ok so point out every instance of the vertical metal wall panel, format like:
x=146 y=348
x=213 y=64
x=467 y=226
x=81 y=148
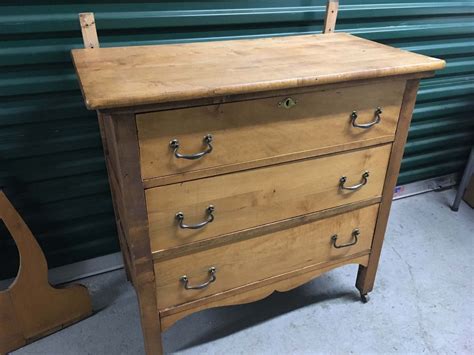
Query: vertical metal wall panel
x=51 y=157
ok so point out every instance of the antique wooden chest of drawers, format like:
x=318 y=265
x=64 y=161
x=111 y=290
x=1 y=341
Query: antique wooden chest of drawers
x=238 y=168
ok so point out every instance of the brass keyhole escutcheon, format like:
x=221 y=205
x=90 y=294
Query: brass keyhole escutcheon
x=287 y=103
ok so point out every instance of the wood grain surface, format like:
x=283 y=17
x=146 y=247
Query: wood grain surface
x=131 y=76
x=366 y=275
x=263 y=132
x=256 y=259
x=332 y=7
x=257 y=290
x=255 y=197
x=122 y=153
x=260 y=230
x=30 y=308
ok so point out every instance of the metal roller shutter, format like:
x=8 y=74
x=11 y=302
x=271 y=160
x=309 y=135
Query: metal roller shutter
x=51 y=157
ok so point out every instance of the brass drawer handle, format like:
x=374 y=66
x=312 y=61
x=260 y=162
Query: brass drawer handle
x=174 y=144
x=355 y=236
x=210 y=218
x=212 y=277
x=376 y=120
x=343 y=179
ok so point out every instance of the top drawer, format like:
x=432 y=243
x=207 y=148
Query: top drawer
x=260 y=132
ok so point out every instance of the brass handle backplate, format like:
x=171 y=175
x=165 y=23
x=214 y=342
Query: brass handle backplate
x=212 y=277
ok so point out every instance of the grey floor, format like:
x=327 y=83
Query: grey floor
x=422 y=303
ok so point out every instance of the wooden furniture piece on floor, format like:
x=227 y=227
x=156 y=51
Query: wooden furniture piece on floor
x=30 y=308
x=238 y=168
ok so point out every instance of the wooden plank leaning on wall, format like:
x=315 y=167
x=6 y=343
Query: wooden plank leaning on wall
x=332 y=7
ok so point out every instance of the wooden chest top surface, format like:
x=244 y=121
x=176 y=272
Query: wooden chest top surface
x=133 y=76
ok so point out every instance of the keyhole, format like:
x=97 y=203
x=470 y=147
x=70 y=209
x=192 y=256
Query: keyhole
x=287 y=103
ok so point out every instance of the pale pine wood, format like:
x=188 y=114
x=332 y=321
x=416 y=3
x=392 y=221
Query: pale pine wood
x=260 y=230
x=262 y=132
x=122 y=149
x=255 y=291
x=366 y=276
x=255 y=205
x=331 y=16
x=30 y=308
x=255 y=197
x=217 y=100
x=131 y=76
x=255 y=259
x=88 y=29
x=201 y=303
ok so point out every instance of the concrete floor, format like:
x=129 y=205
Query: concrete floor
x=422 y=303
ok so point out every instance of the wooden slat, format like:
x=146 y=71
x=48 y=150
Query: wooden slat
x=131 y=76
x=331 y=16
x=88 y=29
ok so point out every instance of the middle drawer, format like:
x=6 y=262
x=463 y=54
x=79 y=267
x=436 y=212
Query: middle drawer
x=179 y=214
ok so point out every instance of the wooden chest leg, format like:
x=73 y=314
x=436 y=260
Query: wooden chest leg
x=366 y=275
x=150 y=319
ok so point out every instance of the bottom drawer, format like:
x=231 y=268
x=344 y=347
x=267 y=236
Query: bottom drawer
x=261 y=257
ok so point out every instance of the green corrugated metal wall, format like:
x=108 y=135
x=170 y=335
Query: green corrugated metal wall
x=51 y=157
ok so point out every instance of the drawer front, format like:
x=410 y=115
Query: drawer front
x=255 y=197
x=261 y=132
x=270 y=255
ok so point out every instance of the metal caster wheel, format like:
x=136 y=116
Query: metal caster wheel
x=364 y=298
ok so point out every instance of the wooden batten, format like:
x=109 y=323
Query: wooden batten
x=88 y=29
x=332 y=7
